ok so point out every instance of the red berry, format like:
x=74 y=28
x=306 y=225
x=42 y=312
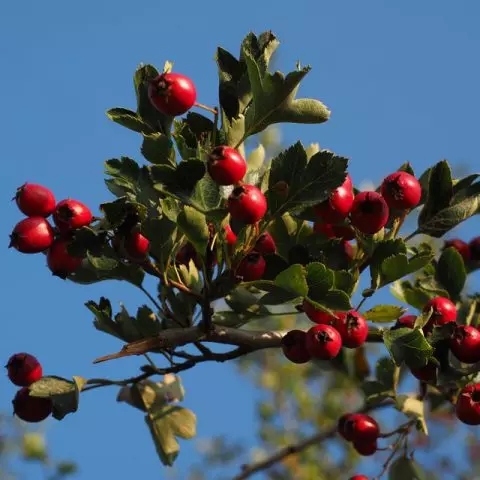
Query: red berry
x=294 y=347
x=361 y=428
x=407 y=321
x=468 y=405
x=358 y=477
x=172 y=93
x=230 y=236
x=401 y=191
x=462 y=248
x=315 y=315
x=23 y=369
x=345 y=232
x=35 y=200
x=427 y=374
x=136 y=247
x=465 y=344
x=32 y=235
x=338 y=206
x=342 y=422
x=247 y=203
x=265 y=244
x=369 y=212
x=226 y=166
x=323 y=342
x=71 y=214
x=365 y=448
x=252 y=267
x=60 y=261
x=444 y=311
x=31 y=409
x=187 y=253
x=347 y=249
x=352 y=327
x=474 y=246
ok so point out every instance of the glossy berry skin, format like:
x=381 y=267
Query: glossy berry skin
x=369 y=212
x=323 y=342
x=252 y=267
x=136 y=247
x=247 y=203
x=265 y=244
x=294 y=346
x=32 y=235
x=465 y=344
x=31 y=409
x=462 y=248
x=71 y=214
x=230 y=236
x=338 y=206
x=401 y=191
x=317 y=316
x=59 y=260
x=444 y=311
x=427 y=374
x=468 y=405
x=172 y=93
x=226 y=166
x=344 y=232
x=23 y=369
x=474 y=247
x=35 y=200
x=365 y=448
x=352 y=327
x=361 y=428
x=407 y=321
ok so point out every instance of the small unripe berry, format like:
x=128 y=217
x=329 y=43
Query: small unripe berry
x=226 y=166
x=252 y=267
x=35 y=200
x=247 y=203
x=369 y=212
x=465 y=344
x=461 y=247
x=323 y=342
x=315 y=315
x=294 y=346
x=401 y=191
x=172 y=93
x=31 y=409
x=468 y=405
x=23 y=369
x=352 y=327
x=60 y=261
x=444 y=311
x=71 y=214
x=32 y=235
x=338 y=206
x=265 y=244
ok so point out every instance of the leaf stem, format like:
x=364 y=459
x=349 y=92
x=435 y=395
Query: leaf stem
x=207 y=108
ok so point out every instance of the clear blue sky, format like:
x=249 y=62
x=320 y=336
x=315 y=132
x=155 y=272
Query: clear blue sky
x=401 y=79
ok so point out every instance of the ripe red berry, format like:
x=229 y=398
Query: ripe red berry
x=230 y=236
x=427 y=374
x=247 y=203
x=60 y=261
x=136 y=247
x=23 y=369
x=352 y=327
x=172 y=93
x=342 y=422
x=32 y=235
x=401 y=191
x=344 y=232
x=369 y=212
x=294 y=346
x=359 y=477
x=226 y=166
x=31 y=409
x=365 y=448
x=474 y=246
x=323 y=342
x=468 y=405
x=338 y=206
x=465 y=344
x=407 y=321
x=265 y=244
x=35 y=200
x=252 y=267
x=361 y=428
x=71 y=214
x=462 y=248
x=315 y=315
x=444 y=311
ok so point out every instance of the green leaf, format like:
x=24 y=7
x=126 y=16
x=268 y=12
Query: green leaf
x=375 y=391
x=207 y=194
x=399 y=266
x=102 y=262
x=384 y=313
x=256 y=158
x=383 y=250
x=451 y=271
x=344 y=281
x=162 y=234
x=293 y=280
x=129 y=119
x=320 y=279
x=117 y=211
x=409 y=346
x=411 y=406
x=103 y=317
x=147 y=322
x=404 y=468
x=194 y=225
x=240 y=300
x=233 y=319
x=406 y=293
x=385 y=372
x=336 y=300
x=167 y=424
x=157 y=148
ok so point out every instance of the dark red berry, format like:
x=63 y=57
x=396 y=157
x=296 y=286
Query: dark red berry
x=23 y=369
x=323 y=342
x=60 y=261
x=347 y=250
x=365 y=448
x=401 y=191
x=361 y=428
x=294 y=346
x=474 y=246
x=462 y=248
x=32 y=235
x=468 y=405
x=369 y=212
x=407 y=321
x=230 y=236
x=342 y=422
x=427 y=374
x=247 y=203
x=265 y=244
x=317 y=316
x=358 y=477
x=136 y=247
x=338 y=206
x=172 y=93
x=465 y=344
x=344 y=232
x=187 y=253
x=31 y=409
x=35 y=200
x=352 y=327
x=226 y=166
x=252 y=267
x=71 y=214
x=444 y=311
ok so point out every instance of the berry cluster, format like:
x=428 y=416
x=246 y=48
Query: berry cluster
x=23 y=370
x=360 y=429
x=470 y=252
